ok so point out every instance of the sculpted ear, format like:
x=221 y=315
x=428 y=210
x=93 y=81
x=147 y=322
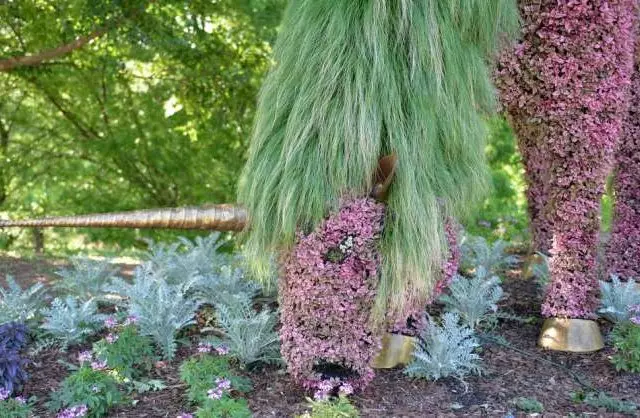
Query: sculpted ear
x=384 y=176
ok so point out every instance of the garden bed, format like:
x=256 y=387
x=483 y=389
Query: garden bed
x=517 y=370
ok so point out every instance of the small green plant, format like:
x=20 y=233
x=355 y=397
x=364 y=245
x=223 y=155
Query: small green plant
x=529 y=405
x=477 y=252
x=250 y=335
x=224 y=408
x=18 y=305
x=201 y=372
x=227 y=282
x=331 y=408
x=443 y=351
x=127 y=352
x=602 y=400
x=626 y=341
x=162 y=309
x=14 y=407
x=95 y=389
x=71 y=321
x=85 y=278
x=541 y=272
x=474 y=299
x=616 y=298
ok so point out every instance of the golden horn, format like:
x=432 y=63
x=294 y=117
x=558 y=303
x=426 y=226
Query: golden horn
x=211 y=217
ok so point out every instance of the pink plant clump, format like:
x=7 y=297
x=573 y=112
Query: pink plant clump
x=327 y=292
x=566 y=92
x=623 y=251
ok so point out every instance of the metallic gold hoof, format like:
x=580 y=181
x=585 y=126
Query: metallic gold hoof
x=571 y=335
x=397 y=349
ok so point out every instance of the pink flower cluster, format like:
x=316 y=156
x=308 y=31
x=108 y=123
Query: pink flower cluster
x=222 y=386
x=205 y=348
x=327 y=292
x=4 y=393
x=74 y=412
x=623 y=250
x=416 y=319
x=566 y=91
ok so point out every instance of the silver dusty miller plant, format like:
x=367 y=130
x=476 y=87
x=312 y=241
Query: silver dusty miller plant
x=474 y=299
x=249 y=334
x=477 y=252
x=445 y=350
x=616 y=297
x=85 y=278
x=70 y=320
x=21 y=305
x=161 y=308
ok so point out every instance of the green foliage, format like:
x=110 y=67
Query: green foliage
x=443 y=351
x=602 y=400
x=503 y=214
x=340 y=97
x=18 y=305
x=529 y=405
x=477 y=252
x=474 y=299
x=12 y=408
x=201 y=372
x=156 y=112
x=227 y=283
x=94 y=388
x=616 y=297
x=85 y=279
x=335 y=408
x=161 y=309
x=541 y=271
x=626 y=341
x=224 y=408
x=131 y=355
x=250 y=335
x=71 y=321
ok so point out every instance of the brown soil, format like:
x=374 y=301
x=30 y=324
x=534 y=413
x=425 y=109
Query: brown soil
x=508 y=374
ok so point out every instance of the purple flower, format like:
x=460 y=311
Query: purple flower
x=4 y=394
x=321 y=395
x=85 y=356
x=222 y=350
x=185 y=415
x=111 y=338
x=110 y=322
x=635 y=320
x=131 y=319
x=223 y=384
x=74 y=412
x=204 y=348
x=99 y=365
x=346 y=389
x=214 y=393
x=21 y=399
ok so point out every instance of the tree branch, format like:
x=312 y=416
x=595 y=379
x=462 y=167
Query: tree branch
x=9 y=64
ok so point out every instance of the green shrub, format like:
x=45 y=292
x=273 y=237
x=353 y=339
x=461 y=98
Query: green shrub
x=529 y=405
x=443 y=351
x=15 y=408
x=130 y=354
x=602 y=400
x=224 y=408
x=71 y=321
x=94 y=388
x=477 y=252
x=200 y=374
x=340 y=407
x=626 y=341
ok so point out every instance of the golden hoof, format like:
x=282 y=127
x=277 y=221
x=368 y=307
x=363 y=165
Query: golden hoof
x=571 y=335
x=397 y=349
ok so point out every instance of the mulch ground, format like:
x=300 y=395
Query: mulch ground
x=509 y=372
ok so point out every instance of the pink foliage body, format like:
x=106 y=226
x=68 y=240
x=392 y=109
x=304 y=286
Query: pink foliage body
x=327 y=293
x=326 y=296
x=566 y=91
x=623 y=251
